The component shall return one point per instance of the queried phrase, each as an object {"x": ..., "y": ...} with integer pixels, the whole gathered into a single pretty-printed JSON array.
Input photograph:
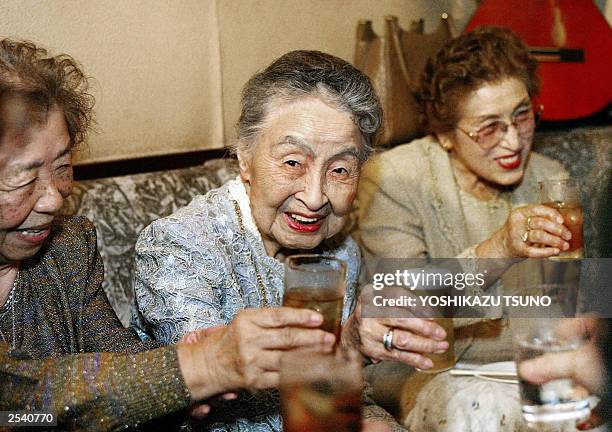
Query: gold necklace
[
  {"x": 260, "y": 283},
  {"x": 10, "y": 303}
]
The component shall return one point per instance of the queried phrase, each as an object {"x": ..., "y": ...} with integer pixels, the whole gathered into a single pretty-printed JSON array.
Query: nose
[
  {"x": 312, "y": 193},
  {"x": 511, "y": 139},
  {"x": 50, "y": 199}
]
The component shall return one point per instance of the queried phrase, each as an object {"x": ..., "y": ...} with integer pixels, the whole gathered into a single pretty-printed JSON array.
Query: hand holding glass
[
  {"x": 564, "y": 196},
  {"x": 560, "y": 399}
]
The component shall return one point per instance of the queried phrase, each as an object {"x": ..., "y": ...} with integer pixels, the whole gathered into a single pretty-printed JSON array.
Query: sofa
[{"x": 121, "y": 207}]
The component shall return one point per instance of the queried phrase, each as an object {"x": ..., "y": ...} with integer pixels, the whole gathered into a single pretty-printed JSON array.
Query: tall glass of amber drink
[
  {"x": 564, "y": 196},
  {"x": 321, "y": 393},
  {"x": 443, "y": 316},
  {"x": 446, "y": 360},
  {"x": 317, "y": 282}
]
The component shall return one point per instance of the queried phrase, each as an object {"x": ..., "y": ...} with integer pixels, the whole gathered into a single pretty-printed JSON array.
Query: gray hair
[{"x": 301, "y": 73}]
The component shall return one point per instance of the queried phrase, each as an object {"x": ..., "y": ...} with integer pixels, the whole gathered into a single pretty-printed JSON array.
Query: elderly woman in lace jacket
[{"x": 306, "y": 127}]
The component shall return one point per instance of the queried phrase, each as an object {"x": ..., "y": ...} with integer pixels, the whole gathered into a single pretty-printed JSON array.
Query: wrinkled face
[
  {"x": 503, "y": 164},
  {"x": 35, "y": 177},
  {"x": 302, "y": 173}
]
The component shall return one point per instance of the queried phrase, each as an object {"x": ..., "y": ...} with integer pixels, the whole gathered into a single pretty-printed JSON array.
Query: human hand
[
  {"x": 198, "y": 335},
  {"x": 375, "y": 426},
  {"x": 200, "y": 410},
  {"x": 533, "y": 231},
  {"x": 411, "y": 337},
  {"x": 584, "y": 365},
  {"x": 246, "y": 354}
]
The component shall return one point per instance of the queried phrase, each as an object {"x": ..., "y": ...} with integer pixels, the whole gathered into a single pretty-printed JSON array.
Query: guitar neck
[{"x": 551, "y": 54}]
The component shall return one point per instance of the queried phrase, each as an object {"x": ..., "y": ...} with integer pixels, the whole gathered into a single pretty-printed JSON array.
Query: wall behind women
[
  {"x": 168, "y": 73},
  {"x": 155, "y": 63},
  {"x": 253, "y": 33}
]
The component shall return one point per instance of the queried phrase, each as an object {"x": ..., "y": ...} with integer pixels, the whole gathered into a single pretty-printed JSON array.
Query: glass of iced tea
[
  {"x": 443, "y": 316},
  {"x": 321, "y": 393},
  {"x": 564, "y": 196},
  {"x": 446, "y": 360},
  {"x": 317, "y": 282}
]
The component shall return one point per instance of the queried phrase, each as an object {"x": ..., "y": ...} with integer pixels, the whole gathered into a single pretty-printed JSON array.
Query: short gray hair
[{"x": 302, "y": 73}]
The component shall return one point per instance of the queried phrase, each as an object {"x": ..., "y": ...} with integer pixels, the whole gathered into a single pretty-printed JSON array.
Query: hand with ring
[
  {"x": 397, "y": 339},
  {"x": 533, "y": 231},
  {"x": 388, "y": 340}
]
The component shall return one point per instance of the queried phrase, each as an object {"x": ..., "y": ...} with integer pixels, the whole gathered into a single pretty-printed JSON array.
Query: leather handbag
[{"x": 394, "y": 63}]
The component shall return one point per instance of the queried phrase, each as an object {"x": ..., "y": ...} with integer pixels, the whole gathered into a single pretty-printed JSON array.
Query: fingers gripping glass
[{"x": 524, "y": 121}]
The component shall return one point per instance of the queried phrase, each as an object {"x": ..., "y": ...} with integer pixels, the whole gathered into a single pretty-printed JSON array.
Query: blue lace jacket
[{"x": 198, "y": 268}]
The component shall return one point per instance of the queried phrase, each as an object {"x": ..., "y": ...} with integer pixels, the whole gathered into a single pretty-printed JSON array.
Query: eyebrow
[
  {"x": 294, "y": 141},
  {"x": 525, "y": 102},
  {"x": 39, "y": 163},
  {"x": 347, "y": 152},
  {"x": 298, "y": 142}
]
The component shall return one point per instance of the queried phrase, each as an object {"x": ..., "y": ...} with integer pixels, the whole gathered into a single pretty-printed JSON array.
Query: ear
[
  {"x": 244, "y": 163},
  {"x": 445, "y": 139}
]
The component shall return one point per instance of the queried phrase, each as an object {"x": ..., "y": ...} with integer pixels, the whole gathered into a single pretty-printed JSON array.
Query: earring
[
  {"x": 444, "y": 142},
  {"x": 447, "y": 146}
]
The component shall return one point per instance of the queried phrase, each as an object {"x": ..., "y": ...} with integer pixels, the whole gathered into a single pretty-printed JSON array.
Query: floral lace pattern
[{"x": 197, "y": 269}]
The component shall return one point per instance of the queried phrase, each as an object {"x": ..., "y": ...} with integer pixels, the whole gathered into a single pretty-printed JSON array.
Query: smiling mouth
[
  {"x": 32, "y": 232},
  {"x": 510, "y": 162},
  {"x": 303, "y": 219},
  {"x": 34, "y": 235},
  {"x": 302, "y": 223}
]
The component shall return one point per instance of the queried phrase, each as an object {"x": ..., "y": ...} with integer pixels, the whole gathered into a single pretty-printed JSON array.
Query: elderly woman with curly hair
[
  {"x": 62, "y": 349},
  {"x": 466, "y": 190},
  {"x": 305, "y": 130}
]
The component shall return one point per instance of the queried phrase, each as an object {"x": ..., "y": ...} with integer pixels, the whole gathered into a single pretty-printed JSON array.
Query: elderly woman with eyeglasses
[{"x": 466, "y": 190}]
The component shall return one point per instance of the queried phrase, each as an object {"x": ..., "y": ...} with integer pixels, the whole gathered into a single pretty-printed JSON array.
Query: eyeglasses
[{"x": 524, "y": 121}]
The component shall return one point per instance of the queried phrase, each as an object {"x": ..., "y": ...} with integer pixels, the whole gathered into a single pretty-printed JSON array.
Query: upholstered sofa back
[
  {"x": 586, "y": 153},
  {"x": 121, "y": 207}
]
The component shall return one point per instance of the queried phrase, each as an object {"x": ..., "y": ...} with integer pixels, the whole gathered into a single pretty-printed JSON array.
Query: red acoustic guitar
[{"x": 573, "y": 44}]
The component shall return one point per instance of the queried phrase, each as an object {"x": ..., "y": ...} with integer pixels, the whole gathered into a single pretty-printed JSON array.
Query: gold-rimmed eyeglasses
[{"x": 524, "y": 121}]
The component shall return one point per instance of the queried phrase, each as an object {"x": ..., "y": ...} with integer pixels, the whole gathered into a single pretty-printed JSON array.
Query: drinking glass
[
  {"x": 443, "y": 316},
  {"x": 564, "y": 196},
  {"x": 446, "y": 360},
  {"x": 321, "y": 393},
  {"x": 317, "y": 282},
  {"x": 553, "y": 330}
]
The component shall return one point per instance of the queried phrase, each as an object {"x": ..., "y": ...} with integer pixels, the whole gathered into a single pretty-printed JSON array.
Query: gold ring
[
  {"x": 526, "y": 236},
  {"x": 528, "y": 223}
]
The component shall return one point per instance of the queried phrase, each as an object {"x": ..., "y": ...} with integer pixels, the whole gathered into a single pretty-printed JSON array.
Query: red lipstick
[
  {"x": 33, "y": 238},
  {"x": 512, "y": 164},
  {"x": 303, "y": 227}
]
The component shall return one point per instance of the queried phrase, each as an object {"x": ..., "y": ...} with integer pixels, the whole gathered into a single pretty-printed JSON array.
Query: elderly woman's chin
[
  {"x": 301, "y": 242},
  {"x": 512, "y": 178},
  {"x": 505, "y": 176},
  {"x": 11, "y": 252}
]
